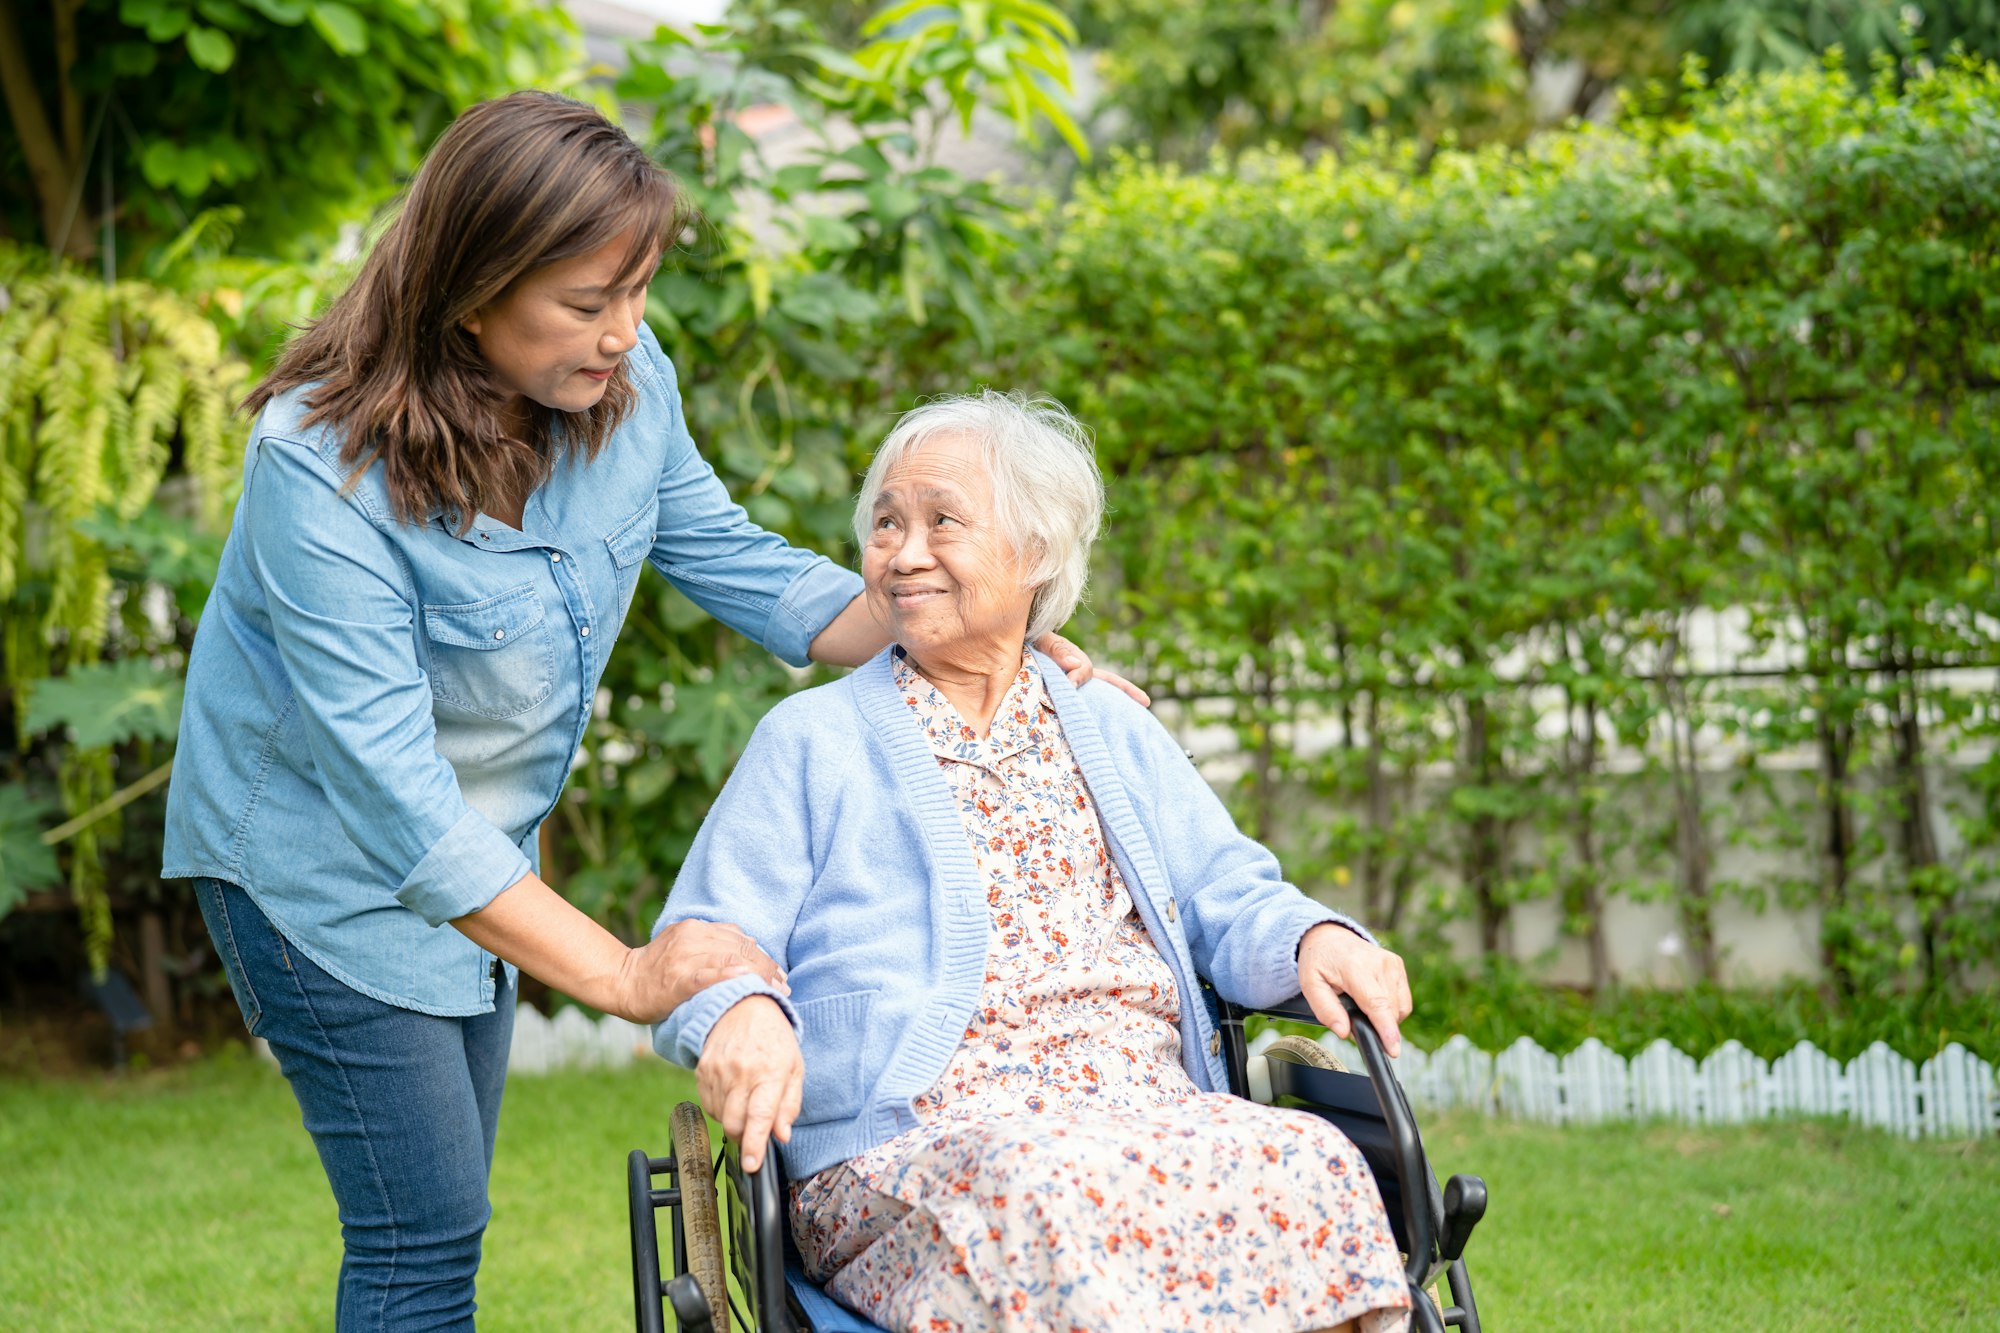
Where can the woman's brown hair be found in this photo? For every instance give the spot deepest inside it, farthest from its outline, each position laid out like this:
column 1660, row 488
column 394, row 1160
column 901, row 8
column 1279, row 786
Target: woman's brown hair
column 512, row 186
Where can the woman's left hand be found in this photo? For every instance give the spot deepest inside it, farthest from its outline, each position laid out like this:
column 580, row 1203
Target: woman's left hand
column 1334, row 961
column 1076, row 665
column 751, row 1075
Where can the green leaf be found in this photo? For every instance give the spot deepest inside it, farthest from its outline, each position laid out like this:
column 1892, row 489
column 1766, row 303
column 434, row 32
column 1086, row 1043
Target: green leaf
column 162, row 548
column 716, row 719
column 212, row 49
column 291, row 13
column 1032, row 12
column 839, row 62
column 167, row 164
column 830, row 233
column 895, row 14
column 226, row 14
column 193, row 174
column 342, row 28
column 26, row 863
column 798, row 178
column 134, row 60
column 645, row 782
column 168, row 22
column 107, row 703
column 821, row 357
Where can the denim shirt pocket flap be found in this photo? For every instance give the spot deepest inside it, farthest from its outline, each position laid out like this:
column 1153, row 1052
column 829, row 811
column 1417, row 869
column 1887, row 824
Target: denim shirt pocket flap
column 634, row 538
column 494, row 658
column 833, row 1034
column 488, row 625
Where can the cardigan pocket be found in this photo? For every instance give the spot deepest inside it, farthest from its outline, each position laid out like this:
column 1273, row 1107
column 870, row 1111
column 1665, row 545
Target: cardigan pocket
column 833, row 1035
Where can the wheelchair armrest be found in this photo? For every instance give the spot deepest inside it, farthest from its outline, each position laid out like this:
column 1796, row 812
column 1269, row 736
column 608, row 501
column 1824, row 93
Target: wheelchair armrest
column 1423, row 1207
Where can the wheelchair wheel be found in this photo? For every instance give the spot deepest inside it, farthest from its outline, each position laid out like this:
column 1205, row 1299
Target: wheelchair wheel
column 1305, row 1051
column 701, row 1221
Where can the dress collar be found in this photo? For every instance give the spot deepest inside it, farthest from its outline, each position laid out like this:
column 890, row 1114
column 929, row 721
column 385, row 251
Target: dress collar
column 1022, row 722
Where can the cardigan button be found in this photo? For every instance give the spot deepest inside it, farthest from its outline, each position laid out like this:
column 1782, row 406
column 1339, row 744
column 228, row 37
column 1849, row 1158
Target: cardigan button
column 1173, row 912
column 1215, row 1043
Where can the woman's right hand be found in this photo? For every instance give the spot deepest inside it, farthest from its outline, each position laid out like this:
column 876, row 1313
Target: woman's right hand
column 685, row 958
column 751, row 1075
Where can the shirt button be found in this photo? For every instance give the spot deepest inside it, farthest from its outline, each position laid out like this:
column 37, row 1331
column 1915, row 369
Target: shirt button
column 555, row 557
column 499, row 633
column 585, row 631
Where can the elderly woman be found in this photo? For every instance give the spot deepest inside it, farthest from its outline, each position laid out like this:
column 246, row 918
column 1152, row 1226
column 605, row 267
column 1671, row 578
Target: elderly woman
column 999, row 1091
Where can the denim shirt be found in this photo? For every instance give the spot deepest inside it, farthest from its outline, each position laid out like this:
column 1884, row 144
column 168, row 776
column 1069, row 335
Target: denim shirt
column 380, row 714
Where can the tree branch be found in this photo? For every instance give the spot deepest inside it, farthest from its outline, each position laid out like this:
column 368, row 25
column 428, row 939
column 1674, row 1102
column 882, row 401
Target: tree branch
column 71, row 104
column 53, row 173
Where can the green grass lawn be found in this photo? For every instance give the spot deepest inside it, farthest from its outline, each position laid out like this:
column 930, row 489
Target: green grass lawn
column 191, row 1199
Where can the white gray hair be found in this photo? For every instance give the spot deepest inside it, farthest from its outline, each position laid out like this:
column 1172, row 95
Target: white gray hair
column 1047, row 493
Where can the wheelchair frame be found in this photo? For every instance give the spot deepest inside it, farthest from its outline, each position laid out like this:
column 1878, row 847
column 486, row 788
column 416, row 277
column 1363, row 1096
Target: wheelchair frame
column 1431, row 1226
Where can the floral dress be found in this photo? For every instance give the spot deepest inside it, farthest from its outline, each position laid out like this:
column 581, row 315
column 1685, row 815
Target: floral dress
column 1066, row 1173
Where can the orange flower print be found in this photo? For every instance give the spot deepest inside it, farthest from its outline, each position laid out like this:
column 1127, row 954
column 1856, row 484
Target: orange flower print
column 1077, row 1024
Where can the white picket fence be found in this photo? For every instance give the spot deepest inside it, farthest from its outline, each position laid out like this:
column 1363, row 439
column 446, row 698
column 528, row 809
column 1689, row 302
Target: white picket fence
column 573, row 1040
column 1952, row 1095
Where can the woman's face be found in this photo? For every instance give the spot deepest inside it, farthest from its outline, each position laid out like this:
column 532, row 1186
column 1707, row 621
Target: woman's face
column 939, row 571
column 557, row 335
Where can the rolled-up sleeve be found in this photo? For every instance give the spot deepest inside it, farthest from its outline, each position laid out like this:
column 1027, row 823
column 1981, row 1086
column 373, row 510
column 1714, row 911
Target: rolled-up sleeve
column 464, row 870
column 751, row 579
column 345, row 627
column 681, row 1035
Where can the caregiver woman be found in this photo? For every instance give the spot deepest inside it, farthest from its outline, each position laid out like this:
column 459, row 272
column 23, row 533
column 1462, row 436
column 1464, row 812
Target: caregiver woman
column 454, row 479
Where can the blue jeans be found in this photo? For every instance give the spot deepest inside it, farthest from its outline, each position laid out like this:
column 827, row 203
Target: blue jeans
column 402, row 1106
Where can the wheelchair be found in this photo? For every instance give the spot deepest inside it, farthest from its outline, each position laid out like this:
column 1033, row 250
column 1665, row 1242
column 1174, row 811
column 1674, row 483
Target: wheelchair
column 771, row 1293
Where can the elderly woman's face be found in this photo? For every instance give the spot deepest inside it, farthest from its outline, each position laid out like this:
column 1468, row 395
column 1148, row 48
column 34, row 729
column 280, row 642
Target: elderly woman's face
column 939, row 571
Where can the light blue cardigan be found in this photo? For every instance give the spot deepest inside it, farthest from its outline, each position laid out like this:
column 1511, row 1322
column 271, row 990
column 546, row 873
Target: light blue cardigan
column 836, row 844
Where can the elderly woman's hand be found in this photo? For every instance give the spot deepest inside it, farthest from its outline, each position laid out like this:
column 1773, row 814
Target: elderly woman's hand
column 1077, row 666
column 1334, row 961
column 751, row 1075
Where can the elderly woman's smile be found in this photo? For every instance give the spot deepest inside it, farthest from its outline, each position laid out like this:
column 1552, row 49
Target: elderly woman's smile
column 940, row 568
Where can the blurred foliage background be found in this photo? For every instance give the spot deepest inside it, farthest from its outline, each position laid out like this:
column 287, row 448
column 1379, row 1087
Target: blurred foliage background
column 1457, row 366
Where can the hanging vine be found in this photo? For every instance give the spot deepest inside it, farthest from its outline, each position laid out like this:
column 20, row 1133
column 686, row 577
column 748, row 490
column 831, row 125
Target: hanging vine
column 106, row 392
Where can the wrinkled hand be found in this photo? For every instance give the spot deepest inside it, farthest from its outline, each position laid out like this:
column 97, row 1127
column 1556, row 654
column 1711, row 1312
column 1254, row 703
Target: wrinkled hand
column 685, row 958
column 751, row 1075
column 1076, row 665
column 1334, row 961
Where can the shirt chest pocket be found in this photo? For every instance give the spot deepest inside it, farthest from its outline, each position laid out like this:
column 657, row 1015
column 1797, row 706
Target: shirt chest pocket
column 492, row 658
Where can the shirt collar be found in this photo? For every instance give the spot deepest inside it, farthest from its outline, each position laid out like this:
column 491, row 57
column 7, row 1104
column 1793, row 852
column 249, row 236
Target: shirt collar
column 1023, row 722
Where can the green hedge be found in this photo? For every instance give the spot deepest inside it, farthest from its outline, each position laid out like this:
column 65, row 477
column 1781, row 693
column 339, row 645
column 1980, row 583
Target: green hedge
column 1496, row 1003
column 1452, row 455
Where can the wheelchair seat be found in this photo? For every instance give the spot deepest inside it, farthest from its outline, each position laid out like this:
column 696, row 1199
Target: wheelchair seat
column 768, row 1292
